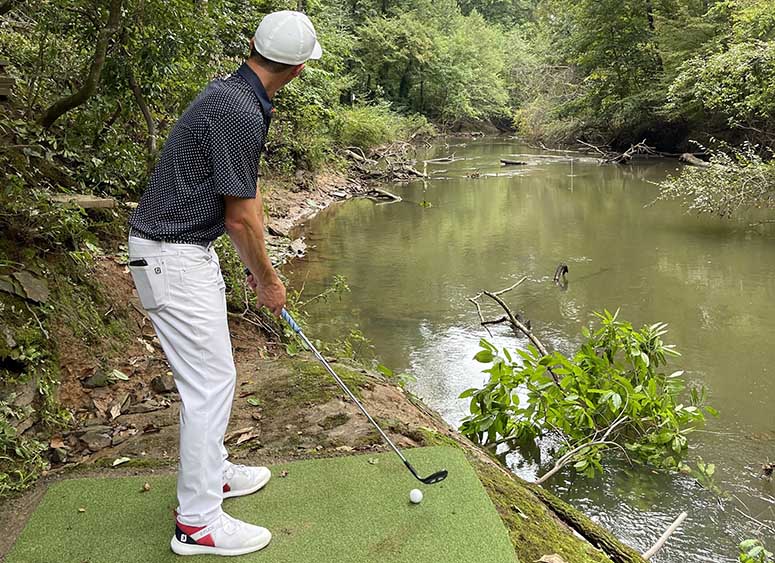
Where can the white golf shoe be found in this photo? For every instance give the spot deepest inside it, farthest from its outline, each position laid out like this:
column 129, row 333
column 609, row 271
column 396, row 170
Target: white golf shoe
column 225, row 536
column 242, row 480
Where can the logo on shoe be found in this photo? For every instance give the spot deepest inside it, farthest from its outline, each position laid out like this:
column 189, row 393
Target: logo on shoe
column 194, row 535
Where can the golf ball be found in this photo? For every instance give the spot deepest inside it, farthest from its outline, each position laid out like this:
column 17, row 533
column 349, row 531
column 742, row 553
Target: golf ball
column 415, row 495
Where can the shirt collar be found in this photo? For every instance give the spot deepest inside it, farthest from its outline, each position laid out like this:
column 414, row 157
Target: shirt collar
column 254, row 81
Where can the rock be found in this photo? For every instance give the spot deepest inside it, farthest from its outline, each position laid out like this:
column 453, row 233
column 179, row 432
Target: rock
column 99, row 378
column 9, row 285
column 275, row 232
column 298, row 247
column 35, row 288
column 96, row 441
column 58, row 455
column 163, row 384
column 20, row 395
column 9, row 340
column 94, row 425
column 21, row 426
column 146, row 406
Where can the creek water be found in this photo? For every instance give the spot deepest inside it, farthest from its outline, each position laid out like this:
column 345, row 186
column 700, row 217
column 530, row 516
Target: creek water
column 410, row 269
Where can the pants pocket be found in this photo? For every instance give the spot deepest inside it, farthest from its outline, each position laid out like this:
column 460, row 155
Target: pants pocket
column 152, row 282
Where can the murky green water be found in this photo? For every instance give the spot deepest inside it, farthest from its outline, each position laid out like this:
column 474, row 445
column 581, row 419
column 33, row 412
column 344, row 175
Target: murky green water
column 411, row 268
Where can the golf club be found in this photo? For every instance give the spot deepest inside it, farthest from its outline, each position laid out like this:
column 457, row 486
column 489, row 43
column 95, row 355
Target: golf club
column 431, row 479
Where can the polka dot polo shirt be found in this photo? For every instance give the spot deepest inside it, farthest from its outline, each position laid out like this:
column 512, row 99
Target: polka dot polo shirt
column 212, row 151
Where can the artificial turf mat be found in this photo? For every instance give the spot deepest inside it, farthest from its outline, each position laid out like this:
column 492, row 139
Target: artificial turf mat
column 349, row 509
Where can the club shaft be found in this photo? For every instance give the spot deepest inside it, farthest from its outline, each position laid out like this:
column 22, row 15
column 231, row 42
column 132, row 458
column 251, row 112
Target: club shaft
column 352, row 396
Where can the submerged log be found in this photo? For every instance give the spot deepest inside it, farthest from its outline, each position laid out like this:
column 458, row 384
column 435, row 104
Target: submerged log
column 509, row 162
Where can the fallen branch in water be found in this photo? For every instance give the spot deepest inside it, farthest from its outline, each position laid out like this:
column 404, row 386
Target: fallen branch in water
column 689, row 158
column 518, row 325
column 669, row 532
column 450, row 158
column 611, row 157
column 595, row 441
column 377, row 193
column 475, row 301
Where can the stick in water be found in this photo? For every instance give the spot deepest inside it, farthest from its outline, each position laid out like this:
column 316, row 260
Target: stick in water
column 669, row 532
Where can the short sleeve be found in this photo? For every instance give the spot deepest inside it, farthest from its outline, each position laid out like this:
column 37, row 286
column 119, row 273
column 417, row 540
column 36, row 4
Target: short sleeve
column 237, row 139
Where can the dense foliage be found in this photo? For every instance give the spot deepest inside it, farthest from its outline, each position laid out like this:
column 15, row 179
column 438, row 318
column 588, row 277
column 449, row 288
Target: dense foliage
column 612, row 392
column 736, row 179
column 753, row 551
column 613, row 71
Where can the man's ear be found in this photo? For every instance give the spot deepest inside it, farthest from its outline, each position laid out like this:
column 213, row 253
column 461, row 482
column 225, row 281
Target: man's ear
column 252, row 42
column 297, row 70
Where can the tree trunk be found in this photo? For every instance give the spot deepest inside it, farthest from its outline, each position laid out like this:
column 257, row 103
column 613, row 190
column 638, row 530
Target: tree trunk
column 63, row 105
column 602, row 539
column 403, row 86
column 143, row 105
column 650, row 14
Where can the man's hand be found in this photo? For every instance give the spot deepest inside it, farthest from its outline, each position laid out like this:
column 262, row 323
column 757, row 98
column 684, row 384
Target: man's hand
column 271, row 295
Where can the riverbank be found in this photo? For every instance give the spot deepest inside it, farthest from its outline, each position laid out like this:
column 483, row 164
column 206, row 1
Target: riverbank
column 286, row 406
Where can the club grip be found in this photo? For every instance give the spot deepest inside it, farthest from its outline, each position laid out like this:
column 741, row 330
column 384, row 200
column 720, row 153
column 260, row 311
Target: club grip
column 289, row 319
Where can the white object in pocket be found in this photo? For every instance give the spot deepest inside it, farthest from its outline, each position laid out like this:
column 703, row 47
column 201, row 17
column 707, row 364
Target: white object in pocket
column 151, row 282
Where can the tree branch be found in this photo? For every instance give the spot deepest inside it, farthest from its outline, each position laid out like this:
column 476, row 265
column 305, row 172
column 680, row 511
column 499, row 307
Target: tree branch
column 518, row 325
column 143, row 105
column 669, row 532
column 89, row 87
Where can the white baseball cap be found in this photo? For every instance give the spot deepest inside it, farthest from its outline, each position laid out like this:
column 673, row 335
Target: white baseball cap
column 287, row 37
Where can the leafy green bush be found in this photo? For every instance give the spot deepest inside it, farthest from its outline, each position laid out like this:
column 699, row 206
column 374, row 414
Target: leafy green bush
column 612, row 392
column 753, row 551
column 367, row 126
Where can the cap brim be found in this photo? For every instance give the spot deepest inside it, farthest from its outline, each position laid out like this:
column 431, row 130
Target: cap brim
column 317, row 52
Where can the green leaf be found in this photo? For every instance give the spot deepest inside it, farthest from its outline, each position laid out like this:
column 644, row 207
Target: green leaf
column 484, row 356
column 581, row 465
column 118, row 375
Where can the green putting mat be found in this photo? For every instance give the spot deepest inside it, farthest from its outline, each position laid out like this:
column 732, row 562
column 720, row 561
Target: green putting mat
column 343, row 510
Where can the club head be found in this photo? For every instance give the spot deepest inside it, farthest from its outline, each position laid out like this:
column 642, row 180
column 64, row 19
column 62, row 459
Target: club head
column 435, row 478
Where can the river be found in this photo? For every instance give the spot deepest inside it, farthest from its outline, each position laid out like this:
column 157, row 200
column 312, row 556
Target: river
column 411, row 267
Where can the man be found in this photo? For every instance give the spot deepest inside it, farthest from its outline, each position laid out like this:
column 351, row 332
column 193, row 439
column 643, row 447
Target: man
column 204, row 185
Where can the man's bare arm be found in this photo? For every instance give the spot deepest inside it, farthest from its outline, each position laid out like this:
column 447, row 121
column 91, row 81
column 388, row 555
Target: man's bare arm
column 245, row 226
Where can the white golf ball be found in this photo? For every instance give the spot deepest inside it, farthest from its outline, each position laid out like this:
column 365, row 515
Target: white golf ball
column 415, row 495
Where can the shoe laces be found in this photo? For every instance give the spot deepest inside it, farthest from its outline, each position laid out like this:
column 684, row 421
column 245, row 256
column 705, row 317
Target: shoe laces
column 236, row 468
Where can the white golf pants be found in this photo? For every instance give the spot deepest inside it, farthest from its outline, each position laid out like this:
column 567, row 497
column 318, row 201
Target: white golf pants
column 182, row 289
